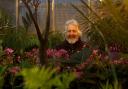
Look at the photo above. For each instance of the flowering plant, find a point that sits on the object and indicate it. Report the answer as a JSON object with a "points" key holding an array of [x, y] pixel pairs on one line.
{"points": [[32, 56], [58, 58], [57, 54], [8, 51], [14, 70], [7, 56]]}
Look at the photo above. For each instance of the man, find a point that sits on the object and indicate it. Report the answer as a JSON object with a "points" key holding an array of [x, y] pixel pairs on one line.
{"points": [[74, 45], [72, 42]]}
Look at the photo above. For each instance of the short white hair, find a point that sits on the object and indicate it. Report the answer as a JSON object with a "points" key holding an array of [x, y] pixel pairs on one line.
{"points": [[73, 22]]}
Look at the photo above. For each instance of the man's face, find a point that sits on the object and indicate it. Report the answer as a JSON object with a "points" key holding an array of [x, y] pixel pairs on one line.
{"points": [[72, 33]]}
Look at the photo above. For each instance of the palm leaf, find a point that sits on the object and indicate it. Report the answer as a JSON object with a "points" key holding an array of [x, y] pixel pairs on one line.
{"points": [[91, 23]]}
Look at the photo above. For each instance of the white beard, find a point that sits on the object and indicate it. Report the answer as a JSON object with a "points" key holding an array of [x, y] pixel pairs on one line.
{"points": [[72, 41]]}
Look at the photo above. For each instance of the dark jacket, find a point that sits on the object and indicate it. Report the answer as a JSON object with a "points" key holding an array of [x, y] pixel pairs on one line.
{"points": [[72, 48]]}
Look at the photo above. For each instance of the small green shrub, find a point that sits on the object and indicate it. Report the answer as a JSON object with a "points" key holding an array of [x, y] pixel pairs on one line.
{"points": [[54, 39], [46, 78]]}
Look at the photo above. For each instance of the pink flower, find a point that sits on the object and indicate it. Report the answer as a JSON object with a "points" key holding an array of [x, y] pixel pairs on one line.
{"points": [[35, 51], [18, 59], [119, 62], [29, 54], [53, 53], [95, 52], [50, 52], [63, 53], [83, 65], [8, 51], [58, 54], [14, 70]]}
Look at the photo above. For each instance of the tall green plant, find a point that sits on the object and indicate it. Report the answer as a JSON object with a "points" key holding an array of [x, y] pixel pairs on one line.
{"points": [[117, 21], [46, 79], [115, 85], [17, 40], [88, 18], [108, 23]]}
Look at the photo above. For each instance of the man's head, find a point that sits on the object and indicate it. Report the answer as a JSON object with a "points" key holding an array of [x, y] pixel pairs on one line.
{"points": [[72, 31]]}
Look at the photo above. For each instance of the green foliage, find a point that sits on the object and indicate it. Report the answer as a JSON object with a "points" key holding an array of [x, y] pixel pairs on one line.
{"points": [[98, 72], [46, 78], [20, 40], [124, 55], [116, 31], [107, 24], [81, 56], [32, 81], [25, 64], [2, 70], [16, 40], [32, 42], [54, 39], [88, 21], [5, 23], [65, 79], [95, 73], [114, 25], [115, 85]]}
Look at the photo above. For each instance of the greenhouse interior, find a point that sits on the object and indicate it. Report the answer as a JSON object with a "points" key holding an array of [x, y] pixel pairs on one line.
{"points": [[63, 44]]}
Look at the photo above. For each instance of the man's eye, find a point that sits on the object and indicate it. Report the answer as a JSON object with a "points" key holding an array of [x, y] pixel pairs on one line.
{"points": [[74, 30]]}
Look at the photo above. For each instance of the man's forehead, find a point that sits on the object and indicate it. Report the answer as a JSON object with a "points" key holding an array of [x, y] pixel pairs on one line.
{"points": [[72, 26]]}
